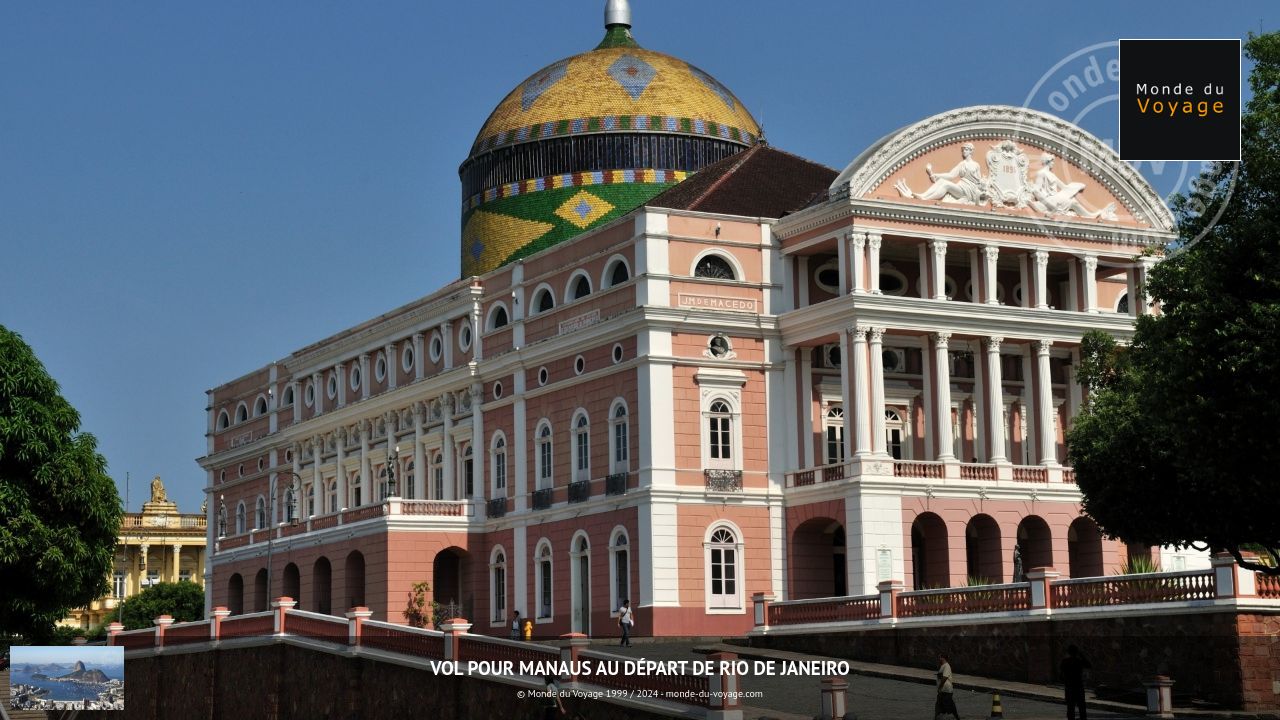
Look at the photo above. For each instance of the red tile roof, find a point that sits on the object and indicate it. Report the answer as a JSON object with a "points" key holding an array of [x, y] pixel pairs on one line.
{"points": [[757, 182]]}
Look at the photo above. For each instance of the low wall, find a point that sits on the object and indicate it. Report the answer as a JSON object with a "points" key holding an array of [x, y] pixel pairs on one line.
{"points": [[280, 681], [1229, 657]]}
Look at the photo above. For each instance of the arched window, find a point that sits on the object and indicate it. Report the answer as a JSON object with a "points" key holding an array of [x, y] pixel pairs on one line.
{"points": [[720, 434], [290, 497], [714, 267], [620, 453], [544, 456], [260, 515], [619, 569], [834, 432], [468, 473], [498, 584], [895, 431], [543, 301], [617, 273], [579, 287], [498, 317], [241, 520], [499, 464], [723, 562], [224, 420], [288, 394], [311, 500], [543, 581], [582, 448], [1122, 305], [333, 496], [242, 413], [437, 476], [260, 407], [357, 490]]}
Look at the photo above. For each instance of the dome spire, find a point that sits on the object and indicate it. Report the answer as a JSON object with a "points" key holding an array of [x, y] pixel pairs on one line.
{"points": [[617, 12], [617, 25]]}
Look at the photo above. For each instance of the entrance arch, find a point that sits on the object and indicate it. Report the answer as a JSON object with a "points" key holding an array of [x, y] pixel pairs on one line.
{"points": [[355, 579], [1084, 548], [322, 586], [447, 576], [235, 594], [1035, 543], [982, 550], [260, 591], [292, 584], [818, 567], [930, 565]]}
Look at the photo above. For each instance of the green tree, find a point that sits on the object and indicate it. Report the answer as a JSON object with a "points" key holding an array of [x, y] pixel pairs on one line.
{"points": [[59, 511], [183, 601], [1178, 444]]}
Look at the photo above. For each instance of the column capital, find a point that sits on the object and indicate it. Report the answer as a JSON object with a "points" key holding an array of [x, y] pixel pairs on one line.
{"points": [[447, 325], [993, 343], [876, 334], [364, 357], [941, 339], [1042, 346], [857, 237], [991, 252], [939, 247], [417, 337], [1090, 262], [1041, 257], [858, 332], [874, 238]]}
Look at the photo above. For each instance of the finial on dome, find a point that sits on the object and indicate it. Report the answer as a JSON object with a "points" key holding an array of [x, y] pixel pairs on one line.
{"points": [[617, 12]]}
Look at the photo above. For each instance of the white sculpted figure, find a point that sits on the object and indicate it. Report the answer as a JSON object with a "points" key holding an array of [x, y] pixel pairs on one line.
{"points": [[1056, 197], [964, 184]]}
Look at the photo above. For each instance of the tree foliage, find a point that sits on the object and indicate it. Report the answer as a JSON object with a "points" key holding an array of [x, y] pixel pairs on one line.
{"points": [[1179, 442], [183, 601], [59, 511]]}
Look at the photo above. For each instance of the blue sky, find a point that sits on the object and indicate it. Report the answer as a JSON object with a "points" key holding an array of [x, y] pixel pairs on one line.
{"points": [[89, 654], [189, 191]]}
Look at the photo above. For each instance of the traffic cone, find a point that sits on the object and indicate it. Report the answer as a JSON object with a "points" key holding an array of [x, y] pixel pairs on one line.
{"points": [[996, 710]]}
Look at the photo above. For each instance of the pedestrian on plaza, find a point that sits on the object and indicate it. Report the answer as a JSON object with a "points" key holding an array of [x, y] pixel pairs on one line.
{"points": [[626, 619], [515, 625], [1074, 666], [946, 702]]}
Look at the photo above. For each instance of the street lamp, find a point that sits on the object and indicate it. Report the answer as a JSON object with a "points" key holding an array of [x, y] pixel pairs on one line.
{"points": [[272, 524]]}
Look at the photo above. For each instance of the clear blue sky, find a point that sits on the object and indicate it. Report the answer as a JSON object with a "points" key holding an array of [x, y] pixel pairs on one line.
{"points": [[89, 654], [189, 191]]}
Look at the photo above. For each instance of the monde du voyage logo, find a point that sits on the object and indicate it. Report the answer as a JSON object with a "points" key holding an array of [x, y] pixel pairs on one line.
{"points": [[1180, 100]]}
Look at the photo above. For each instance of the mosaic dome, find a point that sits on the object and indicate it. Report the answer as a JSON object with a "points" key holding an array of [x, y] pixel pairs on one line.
{"points": [[588, 139]]}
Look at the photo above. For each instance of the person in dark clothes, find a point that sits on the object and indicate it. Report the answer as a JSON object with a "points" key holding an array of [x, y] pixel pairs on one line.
{"points": [[946, 702], [554, 707], [1073, 669]]}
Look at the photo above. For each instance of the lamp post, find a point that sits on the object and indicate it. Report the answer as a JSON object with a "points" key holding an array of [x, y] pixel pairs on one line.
{"points": [[272, 525]]}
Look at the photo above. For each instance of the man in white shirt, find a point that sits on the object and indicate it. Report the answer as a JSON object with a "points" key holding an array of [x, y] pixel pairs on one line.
{"points": [[946, 702], [625, 620]]}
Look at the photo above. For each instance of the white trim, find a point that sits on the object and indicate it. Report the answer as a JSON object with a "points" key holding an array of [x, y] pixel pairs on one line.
{"points": [[579, 622], [435, 346], [887, 268], [569, 286], [498, 614], [539, 477], [533, 299], [738, 274], [577, 473], [614, 465], [538, 557], [224, 419], [242, 413], [816, 274], [739, 565], [493, 309], [614, 600], [466, 336], [607, 275], [495, 491]]}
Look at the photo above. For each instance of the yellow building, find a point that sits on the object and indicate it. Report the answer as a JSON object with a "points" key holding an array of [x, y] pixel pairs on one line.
{"points": [[156, 545]]}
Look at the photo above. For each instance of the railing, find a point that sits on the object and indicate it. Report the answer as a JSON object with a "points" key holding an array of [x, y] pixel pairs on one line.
{"points": [[476, 647], [918, 469], [1268, 585], [235, 541], [495, 507], [723, 480], [831, 473], [135, 639], [402, 639], [1030, 473], [186, 633], [263, 623], [962, 601], [324, 521], [972, 471], [693, 689], [542, 499], [165, 521], [841, 609], [1068, 475], [579, 491], [802, 478], [615, 484], [1129, 589], [317, 626], [443, 508], [362, 513]]}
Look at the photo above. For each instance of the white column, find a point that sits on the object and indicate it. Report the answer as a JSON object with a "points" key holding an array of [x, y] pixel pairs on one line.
{"points": [[446, 447], [873, 261], [978, 402], [297, 401], [990, 255], [942, 424], [862, 428], [366, 474], [929, 400], [322, 497], [478, 445], [939, 248], [1089, 265], [804, 418], [393, 365], [477, 344], [995, 400], [317, 391], [419, 455], [848, 401], [857, 248], [418, 365], [1042, 279], [446, 337], [1044, 402], [365, 378], [177, 556], [1131, 282], [339, 374], [300, 493], [340, 442], [877, 391], [1027, 409], [923, 256]]}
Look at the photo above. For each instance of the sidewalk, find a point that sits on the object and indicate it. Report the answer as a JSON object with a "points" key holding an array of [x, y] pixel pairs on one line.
{"points": [[1006, 688]]}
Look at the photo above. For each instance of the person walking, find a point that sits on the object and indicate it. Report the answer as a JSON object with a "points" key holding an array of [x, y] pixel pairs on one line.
{"points": [[1073, 670], [515, 625], [946, 702], [625, 620]]}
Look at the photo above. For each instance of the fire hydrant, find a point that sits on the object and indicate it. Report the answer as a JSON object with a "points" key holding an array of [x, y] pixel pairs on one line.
{"points": [[528, 629]]}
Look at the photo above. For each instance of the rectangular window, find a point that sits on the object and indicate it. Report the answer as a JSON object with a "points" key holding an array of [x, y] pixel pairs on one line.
{"points": [[500, 470], [720, 438], [544, 605], [622, 587], [439, 482], [468, 475], [117, 585], [544, 465], [499, 593], [620, 444]]}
